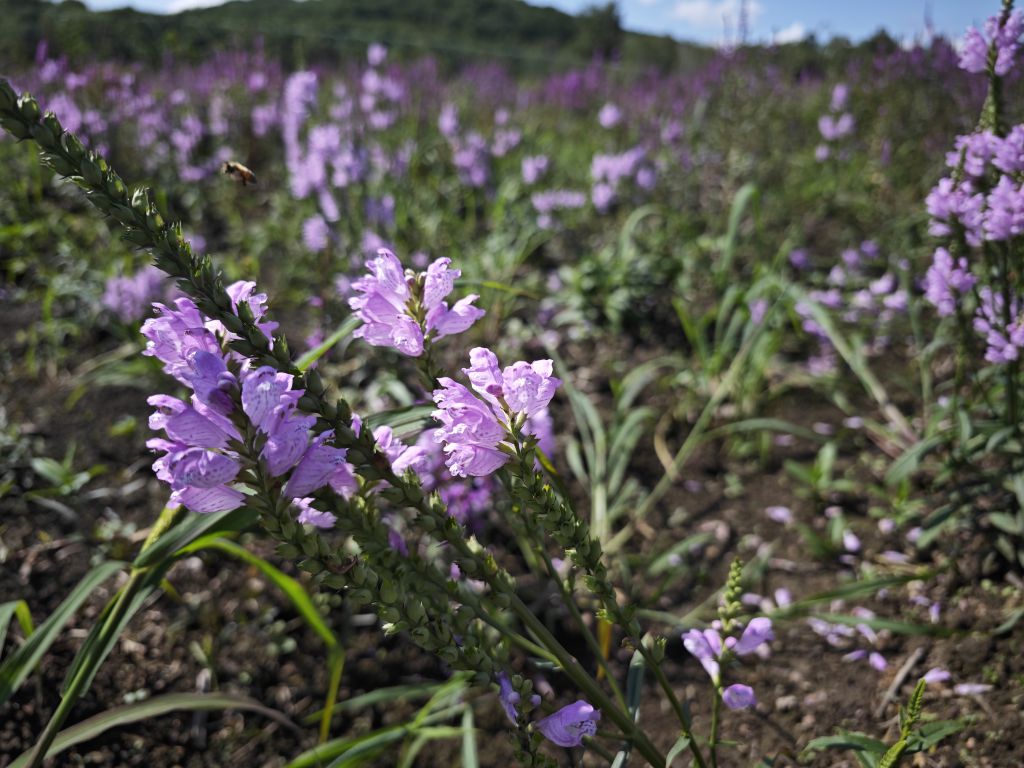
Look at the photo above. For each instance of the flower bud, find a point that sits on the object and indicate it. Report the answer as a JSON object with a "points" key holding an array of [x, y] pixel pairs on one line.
{"points": [[29, 109], [73, 146], [8, 98], [42, 134], [50, 121], [15, 127]]}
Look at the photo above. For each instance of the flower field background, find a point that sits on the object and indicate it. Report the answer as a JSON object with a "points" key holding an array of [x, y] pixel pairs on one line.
{"points": [[766, 308]]}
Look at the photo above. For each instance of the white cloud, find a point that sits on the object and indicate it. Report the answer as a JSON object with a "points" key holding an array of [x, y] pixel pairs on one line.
{"points": [[794, 33], [177, 6], [648, 2], [712, 13]]}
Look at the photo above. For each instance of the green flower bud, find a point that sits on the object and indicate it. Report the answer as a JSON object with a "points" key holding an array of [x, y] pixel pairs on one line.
{"points": [[309, 546], [285, 550], [389, 614], [136, 236], [312, 565], [421, 636], [43, 135], [15, 127], [335, 581], [50, 121], [73, 146], [91, 172], [8, 98], [29, 109]]}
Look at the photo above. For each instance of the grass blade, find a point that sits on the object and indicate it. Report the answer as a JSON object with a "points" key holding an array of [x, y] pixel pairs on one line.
{"points": [[15, 608], [144, 710], [343, 330], [20, 663]]}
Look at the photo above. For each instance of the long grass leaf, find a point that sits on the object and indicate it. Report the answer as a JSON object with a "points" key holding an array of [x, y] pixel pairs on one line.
{"points": [[20, 663], [155, 707]]}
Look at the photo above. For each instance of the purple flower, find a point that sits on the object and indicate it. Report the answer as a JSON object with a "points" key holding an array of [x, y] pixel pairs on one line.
{"points": [[509, 698], [315, 233], [533, 167], [738, 696], [757, 633], [310, 515], [1003, 343], [1005, 38], [568, 726], [945, 281], [129, 297], [376, 54], [469, 431], [175, 335], [609, 116], [472, 428], [385, 305], [318, 464], [706, 647]]}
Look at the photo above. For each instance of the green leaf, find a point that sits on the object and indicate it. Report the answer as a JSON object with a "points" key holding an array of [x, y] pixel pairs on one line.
{"points": [[855, 741], [190, 529], [106, 637], [930, 734], [15, 608], [899, 627], [470, 756], [411, 418], [908, 461], [154, 707], [343, 330], [683, 742], [20, 663]]}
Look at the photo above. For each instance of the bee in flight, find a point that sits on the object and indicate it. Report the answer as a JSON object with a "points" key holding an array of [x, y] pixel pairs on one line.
{"points": [[238, 172]]}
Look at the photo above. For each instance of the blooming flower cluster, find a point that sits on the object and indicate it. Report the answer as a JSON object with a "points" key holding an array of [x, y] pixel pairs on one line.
{"points": [[547, 203], [233, 408], [609, 171], [711, 649], [836, 124], [403, 310], [475, 428], [979, 207], [566, 727], [855, 289], [1005, 38]]}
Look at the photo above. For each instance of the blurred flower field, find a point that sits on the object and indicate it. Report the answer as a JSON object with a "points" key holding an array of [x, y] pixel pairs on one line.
{"points": [[503, 419]]}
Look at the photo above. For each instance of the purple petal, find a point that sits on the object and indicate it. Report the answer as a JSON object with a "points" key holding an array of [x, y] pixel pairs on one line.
{"points": [[568, 726], [739, 697]]}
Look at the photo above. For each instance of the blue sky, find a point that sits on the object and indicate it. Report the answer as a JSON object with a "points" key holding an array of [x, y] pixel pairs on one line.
{"points": [[706, 20]]}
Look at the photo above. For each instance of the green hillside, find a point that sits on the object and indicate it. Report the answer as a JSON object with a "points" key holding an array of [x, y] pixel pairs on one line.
{"points": [[525, 37]]}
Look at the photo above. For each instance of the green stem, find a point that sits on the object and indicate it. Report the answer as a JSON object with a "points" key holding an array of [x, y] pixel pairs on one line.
{"points": [[716, 711], [586, 683], [684, 721]]}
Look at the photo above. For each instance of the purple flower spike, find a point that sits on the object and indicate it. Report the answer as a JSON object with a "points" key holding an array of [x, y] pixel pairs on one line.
{"points": [[570, 724], [739, 696]]}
